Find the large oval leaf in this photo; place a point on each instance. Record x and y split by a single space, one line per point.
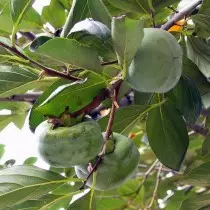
71 52
21 183
74 95
127 35
167 135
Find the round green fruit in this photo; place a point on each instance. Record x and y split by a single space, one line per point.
69 146
116 166
157 65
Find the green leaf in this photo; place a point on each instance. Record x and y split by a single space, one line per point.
127 36
72 95
192 71
21 183
18 10
110 203
206 145
18 114
62 201
2 150
187 99
142 6
36 117
142 98
167 135
94 9
91 27
198 176
32 21
13 77
30 161
34 204
38 42
95 35
71 52
196 202
12 87
202 20
125 118
54 14
82 203
199 52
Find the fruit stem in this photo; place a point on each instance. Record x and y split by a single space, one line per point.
98 162
113 110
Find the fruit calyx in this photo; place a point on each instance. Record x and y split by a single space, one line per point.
110 145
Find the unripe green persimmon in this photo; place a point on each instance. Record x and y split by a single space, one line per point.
157 65
116 166
69 146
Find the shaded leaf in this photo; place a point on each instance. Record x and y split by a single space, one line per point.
54 14
95 35
125 118
202 20
206 145
21 183
196 202
35 84
38 42
72 95
192 71
13 77
127 36
142 6
71 52
142 98
198 176
199 52
18 10
167 135
187 99
34 204
94 9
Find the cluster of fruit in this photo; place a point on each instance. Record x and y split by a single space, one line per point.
80 145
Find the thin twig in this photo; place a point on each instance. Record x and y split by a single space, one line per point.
153 18
199 129
109 63
181 14
156 186
28 97
147 173
48 71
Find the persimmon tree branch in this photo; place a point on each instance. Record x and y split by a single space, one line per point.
156 186
181 14
49 71
113 110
